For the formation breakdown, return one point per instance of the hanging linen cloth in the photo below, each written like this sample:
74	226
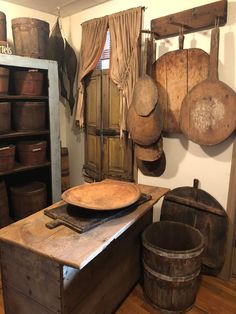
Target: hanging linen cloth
124	29
92	43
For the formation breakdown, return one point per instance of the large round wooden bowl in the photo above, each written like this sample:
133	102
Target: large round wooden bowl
144	130
145	95
104	195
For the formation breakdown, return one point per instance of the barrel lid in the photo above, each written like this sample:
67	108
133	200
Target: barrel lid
197	208
29	74
197	198
28	20
29	187
28	145
7	147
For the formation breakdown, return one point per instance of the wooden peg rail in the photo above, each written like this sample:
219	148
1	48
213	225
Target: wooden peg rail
189	21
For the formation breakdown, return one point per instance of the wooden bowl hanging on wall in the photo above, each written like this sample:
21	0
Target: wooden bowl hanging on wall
144	130
149	153
145	95
152	168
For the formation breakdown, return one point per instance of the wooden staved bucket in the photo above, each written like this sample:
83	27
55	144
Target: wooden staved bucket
28	198
32	153
30	37
172	263
3	29
4	205
5	117
7	157
28	115
28	82
4	80
65	174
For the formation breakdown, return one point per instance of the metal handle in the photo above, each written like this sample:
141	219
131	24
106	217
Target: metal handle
36	149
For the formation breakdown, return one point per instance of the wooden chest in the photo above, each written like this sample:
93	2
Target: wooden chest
61	271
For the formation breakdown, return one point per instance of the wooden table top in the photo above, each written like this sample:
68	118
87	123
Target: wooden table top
66	246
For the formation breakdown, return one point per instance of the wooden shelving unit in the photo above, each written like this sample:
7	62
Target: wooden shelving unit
14	134
21	168
22	98
48	172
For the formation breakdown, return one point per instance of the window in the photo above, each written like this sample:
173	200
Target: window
104	62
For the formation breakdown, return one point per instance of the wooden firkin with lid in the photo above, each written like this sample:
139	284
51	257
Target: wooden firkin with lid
61	271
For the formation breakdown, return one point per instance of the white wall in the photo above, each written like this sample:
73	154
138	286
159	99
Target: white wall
185	160
13	11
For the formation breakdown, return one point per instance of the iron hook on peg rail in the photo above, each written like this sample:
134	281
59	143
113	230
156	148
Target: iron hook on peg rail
145	31
193	20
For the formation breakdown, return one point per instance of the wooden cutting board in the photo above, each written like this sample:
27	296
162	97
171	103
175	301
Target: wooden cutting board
208	111
175	73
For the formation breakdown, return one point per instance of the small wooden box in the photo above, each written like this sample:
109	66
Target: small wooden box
27	199
7	157
29	116
32	153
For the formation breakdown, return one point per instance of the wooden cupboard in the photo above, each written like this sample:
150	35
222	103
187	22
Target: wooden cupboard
48	172
106	155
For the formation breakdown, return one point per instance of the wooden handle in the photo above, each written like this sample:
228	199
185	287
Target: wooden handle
214	54
181	41
53	224
195	183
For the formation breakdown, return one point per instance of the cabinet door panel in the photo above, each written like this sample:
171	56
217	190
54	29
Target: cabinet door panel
106	156
93	102
114	106
117	158
93	156
110	103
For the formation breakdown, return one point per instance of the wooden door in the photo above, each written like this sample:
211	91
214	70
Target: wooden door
106	155
93	100
117	158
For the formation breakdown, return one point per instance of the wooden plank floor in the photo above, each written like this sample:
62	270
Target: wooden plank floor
215	296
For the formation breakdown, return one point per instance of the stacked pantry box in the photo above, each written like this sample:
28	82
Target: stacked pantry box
29	130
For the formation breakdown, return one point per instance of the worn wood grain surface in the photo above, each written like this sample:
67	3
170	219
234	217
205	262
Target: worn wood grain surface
59	244
208	111
214	296
175	73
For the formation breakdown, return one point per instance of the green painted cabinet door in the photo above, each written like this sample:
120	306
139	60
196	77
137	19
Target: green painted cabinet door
106	155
